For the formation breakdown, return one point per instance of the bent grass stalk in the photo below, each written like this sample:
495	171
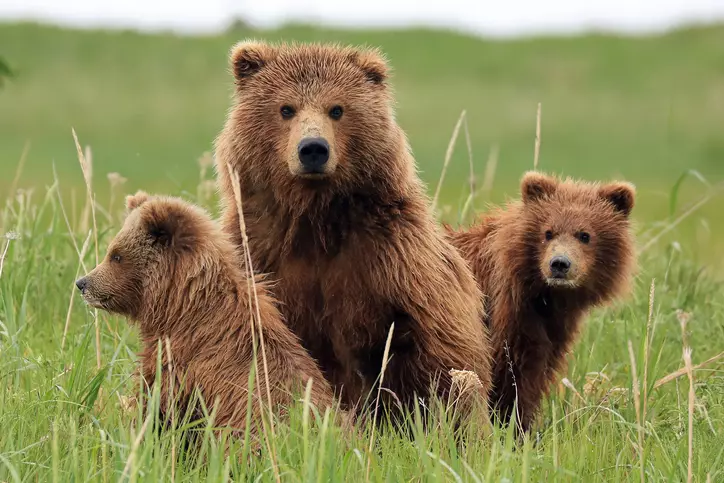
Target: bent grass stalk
377	402
448	157
251	285
683	371
536	152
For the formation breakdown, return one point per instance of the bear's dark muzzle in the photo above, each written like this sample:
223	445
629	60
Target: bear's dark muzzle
313	154
81	283
560	266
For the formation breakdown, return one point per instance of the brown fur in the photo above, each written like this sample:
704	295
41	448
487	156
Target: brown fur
177	275
532	322
354	248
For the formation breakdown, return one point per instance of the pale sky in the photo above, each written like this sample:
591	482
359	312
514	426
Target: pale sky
485	17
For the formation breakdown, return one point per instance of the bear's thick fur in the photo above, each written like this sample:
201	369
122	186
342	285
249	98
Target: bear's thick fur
542	263
336	214
174	272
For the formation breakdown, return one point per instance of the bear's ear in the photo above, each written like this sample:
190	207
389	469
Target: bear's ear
535	186
248	57
162	229
166	225
134	201
373	65
620	195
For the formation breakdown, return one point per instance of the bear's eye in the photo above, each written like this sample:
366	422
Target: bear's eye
287	112
336	112
584	237
116	258
549	235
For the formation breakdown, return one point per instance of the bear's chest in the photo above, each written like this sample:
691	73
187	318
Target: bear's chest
335	307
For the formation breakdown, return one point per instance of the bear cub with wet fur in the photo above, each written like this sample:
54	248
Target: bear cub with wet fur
543	263
175	274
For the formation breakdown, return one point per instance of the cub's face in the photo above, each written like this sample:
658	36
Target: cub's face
311	114
139	269
581	230
118	283
569	248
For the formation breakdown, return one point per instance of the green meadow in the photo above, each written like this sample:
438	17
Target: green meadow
649	110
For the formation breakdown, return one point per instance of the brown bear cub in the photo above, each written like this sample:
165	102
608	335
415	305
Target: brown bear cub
542	264
336	214
174	272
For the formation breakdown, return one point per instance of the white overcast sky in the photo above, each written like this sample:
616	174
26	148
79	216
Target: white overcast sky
485	17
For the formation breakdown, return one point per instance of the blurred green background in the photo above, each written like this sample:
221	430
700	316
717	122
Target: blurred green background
644	109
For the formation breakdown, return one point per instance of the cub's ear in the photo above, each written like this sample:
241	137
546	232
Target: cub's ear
620	195
535	186
134	201
248	57
167	225
373	64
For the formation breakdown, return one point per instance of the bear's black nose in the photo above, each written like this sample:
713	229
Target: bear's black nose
560	266
81	283
313	154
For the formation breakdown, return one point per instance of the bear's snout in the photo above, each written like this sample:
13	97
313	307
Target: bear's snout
313	154
560	265
81	283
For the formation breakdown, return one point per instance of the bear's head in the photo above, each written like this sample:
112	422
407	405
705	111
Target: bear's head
164	243
310	117
579	233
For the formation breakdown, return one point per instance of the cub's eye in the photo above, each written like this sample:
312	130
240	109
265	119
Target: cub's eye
584	237
549	235
287	112
116	258
336	112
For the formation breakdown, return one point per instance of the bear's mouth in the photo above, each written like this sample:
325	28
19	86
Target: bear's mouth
560	282
95	302
313	175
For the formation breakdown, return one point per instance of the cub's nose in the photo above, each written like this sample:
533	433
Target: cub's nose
81	283
313	154
560	266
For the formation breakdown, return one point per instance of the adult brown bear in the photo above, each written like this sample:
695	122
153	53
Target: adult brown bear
335	212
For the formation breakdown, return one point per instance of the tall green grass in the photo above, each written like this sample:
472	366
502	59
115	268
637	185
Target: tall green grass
65	417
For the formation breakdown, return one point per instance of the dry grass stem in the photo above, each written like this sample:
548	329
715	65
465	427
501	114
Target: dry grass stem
647	346
536	153
471	165
637	405
135	445
566	382
683	370
684	318
385	360
19	170
251	285
448	157
692	401
173	409
490	167
8	237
